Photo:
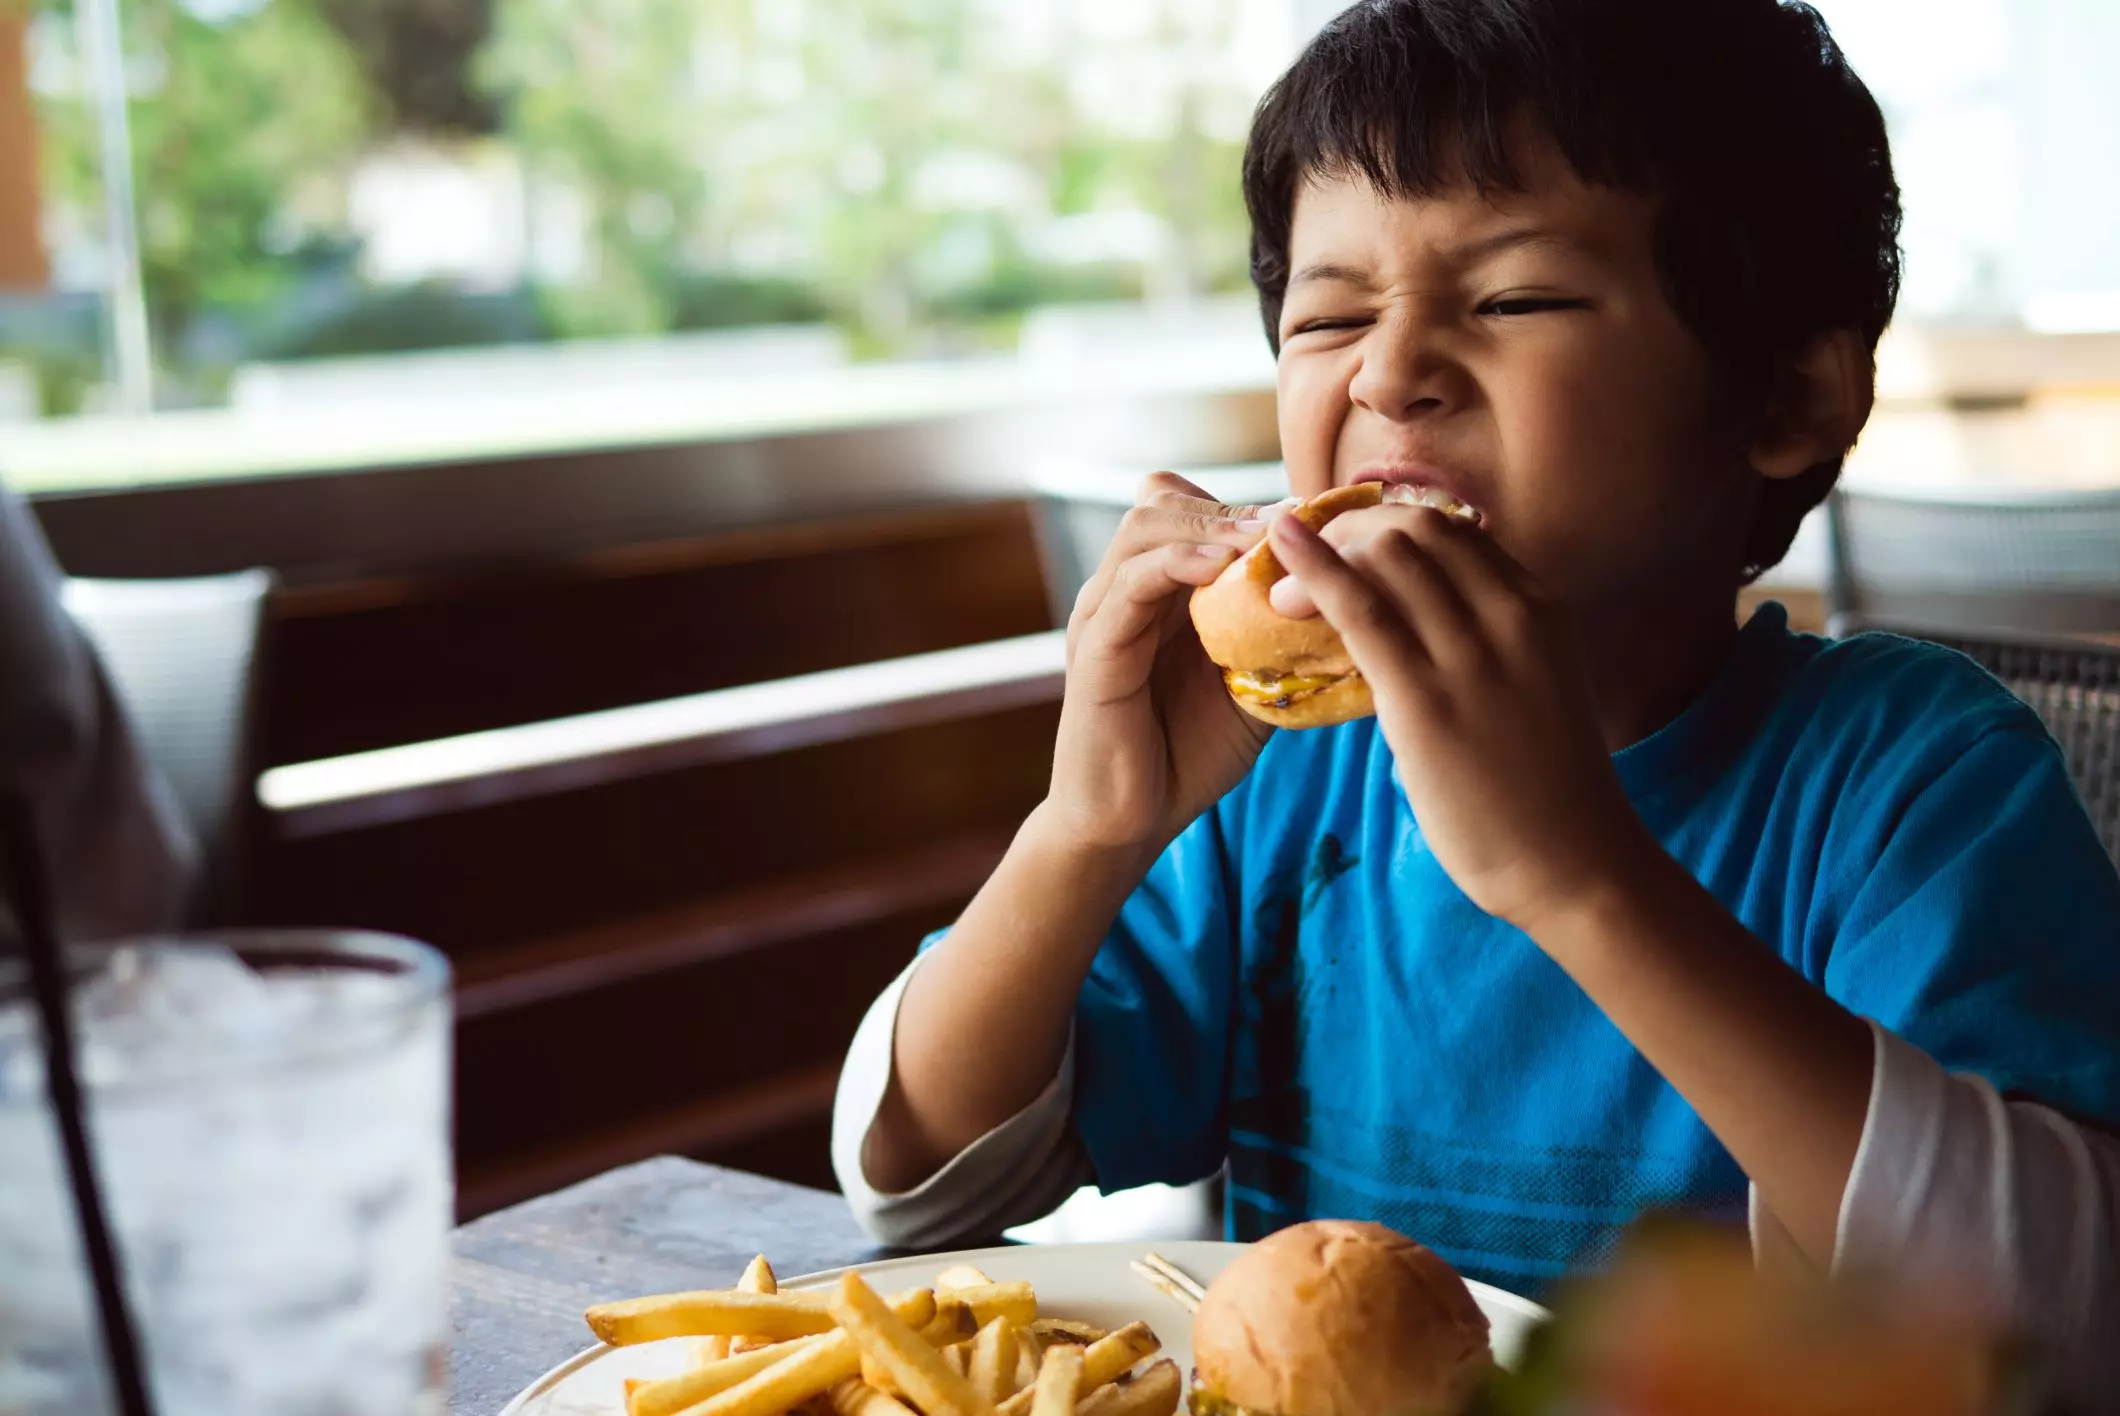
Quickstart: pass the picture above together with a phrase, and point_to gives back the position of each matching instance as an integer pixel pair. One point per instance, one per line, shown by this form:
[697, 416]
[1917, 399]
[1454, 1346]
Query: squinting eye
[1530, 305]
[1320, 326]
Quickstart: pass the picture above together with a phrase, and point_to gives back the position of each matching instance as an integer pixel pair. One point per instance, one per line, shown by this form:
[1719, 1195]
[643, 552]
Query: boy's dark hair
[1777, 213]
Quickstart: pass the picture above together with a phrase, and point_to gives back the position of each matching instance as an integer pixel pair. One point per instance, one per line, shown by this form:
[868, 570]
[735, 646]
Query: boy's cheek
[1311, 409]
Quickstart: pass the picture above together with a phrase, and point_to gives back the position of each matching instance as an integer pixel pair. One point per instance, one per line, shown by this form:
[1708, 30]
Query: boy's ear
[1823, 400]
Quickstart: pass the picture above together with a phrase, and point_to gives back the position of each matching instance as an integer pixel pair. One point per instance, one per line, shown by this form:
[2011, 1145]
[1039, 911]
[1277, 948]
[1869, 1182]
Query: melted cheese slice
[1270, 689]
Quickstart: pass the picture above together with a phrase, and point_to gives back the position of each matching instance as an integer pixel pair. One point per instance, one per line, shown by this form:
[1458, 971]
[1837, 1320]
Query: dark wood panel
[478, 880]
[566, 1074]
[379, 663]
[780, 1128]
[784, 911]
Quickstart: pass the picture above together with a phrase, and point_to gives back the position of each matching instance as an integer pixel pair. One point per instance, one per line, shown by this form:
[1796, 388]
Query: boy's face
[1518, 352]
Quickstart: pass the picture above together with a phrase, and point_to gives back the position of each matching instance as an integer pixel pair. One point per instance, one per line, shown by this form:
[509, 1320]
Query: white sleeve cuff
[2009, 1199]
[1017, 1172]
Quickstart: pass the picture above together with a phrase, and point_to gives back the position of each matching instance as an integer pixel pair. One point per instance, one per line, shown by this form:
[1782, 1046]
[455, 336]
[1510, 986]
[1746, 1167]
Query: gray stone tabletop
[520, 1278]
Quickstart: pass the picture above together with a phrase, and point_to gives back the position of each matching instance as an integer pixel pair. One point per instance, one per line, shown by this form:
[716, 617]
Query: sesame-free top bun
[1336, 1318]
[1258, 648]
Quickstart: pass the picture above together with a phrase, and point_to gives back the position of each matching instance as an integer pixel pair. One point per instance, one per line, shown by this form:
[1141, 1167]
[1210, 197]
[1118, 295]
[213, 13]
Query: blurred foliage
[416, 56]
[243, 128]
[895, 166]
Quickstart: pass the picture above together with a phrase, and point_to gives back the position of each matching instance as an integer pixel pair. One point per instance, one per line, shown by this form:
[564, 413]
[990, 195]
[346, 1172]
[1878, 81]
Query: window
[675, 188]
[844, 179]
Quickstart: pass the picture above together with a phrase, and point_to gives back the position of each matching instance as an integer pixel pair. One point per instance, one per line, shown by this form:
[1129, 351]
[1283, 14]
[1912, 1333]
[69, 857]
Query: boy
[1590, 916]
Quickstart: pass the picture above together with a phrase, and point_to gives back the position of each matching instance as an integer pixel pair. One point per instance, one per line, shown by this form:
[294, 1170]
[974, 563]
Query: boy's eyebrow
[1512, 239]
[1471, 253]
[1334, 272]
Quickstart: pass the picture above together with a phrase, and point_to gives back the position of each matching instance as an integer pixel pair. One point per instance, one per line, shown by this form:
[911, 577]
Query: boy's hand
[1481, 693]
[1149, 738]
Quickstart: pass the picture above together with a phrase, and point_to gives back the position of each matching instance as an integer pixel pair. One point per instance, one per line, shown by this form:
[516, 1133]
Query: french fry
[959, 1357]
[1105, 1360]
[1017, 1302]
[918, 1369]
[954, 1321]
[807, 1370]
[1049, 1330]
[855, 1397]
[873, 1373]
[1028, 1356]
[962, 1276]
[1059, 1379]
[992, 1369]
[777, 1317]
[1154, 1392]
[758, 1278]
[681, 1393]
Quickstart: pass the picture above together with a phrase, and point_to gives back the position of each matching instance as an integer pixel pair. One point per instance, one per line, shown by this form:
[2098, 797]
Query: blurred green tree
[902, 154]
[245, 118]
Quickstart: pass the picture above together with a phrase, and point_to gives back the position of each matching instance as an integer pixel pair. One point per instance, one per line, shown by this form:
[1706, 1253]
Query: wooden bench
[666, 910]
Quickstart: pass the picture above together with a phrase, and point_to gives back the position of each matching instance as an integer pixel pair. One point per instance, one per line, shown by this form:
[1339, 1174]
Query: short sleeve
[1987, 930]
[1152, 1026]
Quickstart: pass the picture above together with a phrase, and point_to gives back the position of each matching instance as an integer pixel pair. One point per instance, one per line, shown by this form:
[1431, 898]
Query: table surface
[521, 1277]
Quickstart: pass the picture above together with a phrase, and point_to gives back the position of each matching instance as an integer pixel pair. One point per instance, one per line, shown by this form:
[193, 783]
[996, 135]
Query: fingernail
[1220, 552]
[1252, 525]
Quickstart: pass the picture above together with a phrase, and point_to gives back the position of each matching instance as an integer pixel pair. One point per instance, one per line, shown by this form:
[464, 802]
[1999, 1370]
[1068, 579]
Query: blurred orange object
[1689, 1328]
[23, 265]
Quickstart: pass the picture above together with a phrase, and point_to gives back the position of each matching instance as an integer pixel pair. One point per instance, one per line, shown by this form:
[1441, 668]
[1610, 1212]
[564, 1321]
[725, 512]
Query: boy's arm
[1148, 740]
[1020, 1171]
[984, 1020]
[1481, 695]
[1776, 1069]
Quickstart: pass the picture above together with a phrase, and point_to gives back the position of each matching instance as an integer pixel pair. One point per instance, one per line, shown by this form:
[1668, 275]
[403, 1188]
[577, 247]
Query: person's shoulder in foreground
[121, 859]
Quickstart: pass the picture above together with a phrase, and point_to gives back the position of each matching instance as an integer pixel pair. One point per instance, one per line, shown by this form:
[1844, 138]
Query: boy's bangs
[1430, 118]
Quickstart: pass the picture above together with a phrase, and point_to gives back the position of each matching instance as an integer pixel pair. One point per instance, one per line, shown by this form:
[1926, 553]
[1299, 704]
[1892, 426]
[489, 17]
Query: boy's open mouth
[1417, 487]
[1418, 494]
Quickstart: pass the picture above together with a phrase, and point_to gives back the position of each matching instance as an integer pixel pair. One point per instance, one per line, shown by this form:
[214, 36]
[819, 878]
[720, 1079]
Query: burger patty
[1280, 690]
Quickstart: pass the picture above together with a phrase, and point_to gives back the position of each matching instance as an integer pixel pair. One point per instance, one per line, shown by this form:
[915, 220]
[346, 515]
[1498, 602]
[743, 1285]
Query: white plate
[1088, 1282]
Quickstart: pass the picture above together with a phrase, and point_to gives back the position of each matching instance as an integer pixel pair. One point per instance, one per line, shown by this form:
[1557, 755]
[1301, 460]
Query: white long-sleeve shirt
[1949, 1178]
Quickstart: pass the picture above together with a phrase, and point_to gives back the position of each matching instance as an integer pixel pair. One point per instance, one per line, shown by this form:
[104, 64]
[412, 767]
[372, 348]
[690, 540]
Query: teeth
[1434, 498]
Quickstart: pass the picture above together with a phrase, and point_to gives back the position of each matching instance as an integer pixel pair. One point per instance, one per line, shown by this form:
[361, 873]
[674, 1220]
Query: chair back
[182, 655]
[2040, 563]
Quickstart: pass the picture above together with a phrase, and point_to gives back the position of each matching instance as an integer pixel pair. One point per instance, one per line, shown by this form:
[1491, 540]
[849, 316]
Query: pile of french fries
[965, 1347]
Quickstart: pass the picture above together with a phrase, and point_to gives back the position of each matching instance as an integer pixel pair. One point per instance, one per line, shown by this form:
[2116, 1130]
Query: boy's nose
[1407, 372]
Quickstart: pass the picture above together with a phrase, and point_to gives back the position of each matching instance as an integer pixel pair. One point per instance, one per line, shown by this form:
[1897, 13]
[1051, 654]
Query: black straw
[24, 873]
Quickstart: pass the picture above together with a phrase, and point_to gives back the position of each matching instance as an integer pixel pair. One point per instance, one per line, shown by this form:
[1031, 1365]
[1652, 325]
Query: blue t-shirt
[1299, 990]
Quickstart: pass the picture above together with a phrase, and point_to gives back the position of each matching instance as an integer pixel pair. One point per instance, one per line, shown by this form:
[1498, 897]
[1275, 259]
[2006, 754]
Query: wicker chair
[2074, 685]
[2041, 563]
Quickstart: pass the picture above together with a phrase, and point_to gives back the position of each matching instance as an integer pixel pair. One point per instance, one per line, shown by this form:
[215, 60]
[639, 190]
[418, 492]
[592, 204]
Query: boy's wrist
[1638, 881]
[1050, 838]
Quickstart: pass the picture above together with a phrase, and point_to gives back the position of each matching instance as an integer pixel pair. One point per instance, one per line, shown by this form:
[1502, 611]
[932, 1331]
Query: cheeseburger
[1335, 1318]
[1293, 673]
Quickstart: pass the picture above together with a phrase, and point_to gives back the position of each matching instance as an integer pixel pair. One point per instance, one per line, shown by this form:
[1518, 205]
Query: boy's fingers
[1376, 634]
[1144, 529]
[1290, 597]
[1140, 589]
